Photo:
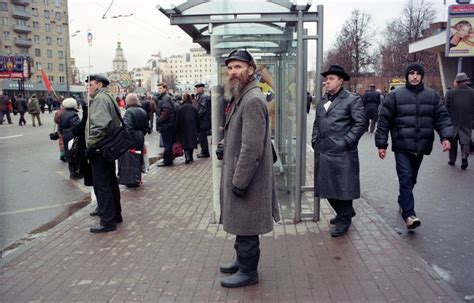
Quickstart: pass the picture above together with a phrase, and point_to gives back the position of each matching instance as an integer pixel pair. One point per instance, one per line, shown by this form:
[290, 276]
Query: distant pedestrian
[248, 196]
[309, 100]
[371, 100]
[103, 119]
[166, 123]
[187, 127]
[49, 102]
[411, 113]
[68, 120]
[22, 106]
[135, 120]
[148, 106]
[4, 111]
[204, 110]
[460, 105]
[34, 110]
[42, 103]
[338, 126]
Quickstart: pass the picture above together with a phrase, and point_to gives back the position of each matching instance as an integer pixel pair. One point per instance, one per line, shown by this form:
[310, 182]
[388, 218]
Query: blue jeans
[407, 170]
[167, 136]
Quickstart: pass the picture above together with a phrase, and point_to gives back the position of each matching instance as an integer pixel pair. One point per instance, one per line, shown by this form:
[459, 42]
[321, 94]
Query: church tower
[119, 62]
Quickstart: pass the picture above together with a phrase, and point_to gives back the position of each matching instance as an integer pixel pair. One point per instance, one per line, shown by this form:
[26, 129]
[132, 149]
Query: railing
[21, 15]
[22, 28]
[21, 2]
[23, 42]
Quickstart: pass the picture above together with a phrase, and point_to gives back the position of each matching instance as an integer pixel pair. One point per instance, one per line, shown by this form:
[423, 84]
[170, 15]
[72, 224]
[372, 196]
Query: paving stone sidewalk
[166, 251]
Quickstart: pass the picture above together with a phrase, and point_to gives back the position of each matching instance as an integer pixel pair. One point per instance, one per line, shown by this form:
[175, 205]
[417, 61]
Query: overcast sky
[148, 31]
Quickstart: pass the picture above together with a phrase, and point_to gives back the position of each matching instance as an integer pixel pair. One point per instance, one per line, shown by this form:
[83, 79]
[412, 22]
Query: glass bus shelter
[276, 33]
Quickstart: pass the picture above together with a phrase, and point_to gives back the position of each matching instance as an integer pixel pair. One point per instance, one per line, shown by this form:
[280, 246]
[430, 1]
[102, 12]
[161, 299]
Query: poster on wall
[15, 67]
[460, 31]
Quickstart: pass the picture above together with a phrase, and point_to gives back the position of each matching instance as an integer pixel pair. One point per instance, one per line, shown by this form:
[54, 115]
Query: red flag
[46, 82]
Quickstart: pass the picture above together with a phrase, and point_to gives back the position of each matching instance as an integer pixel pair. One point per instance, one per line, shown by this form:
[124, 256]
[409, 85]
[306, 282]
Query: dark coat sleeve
[359, 124]
[442, 121]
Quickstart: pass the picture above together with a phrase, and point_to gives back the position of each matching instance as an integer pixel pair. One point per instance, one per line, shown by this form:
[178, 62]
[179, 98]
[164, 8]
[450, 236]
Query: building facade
[38, 29]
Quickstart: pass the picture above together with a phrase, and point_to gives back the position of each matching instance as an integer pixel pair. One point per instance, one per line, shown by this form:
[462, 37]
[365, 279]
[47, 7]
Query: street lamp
[68, 45]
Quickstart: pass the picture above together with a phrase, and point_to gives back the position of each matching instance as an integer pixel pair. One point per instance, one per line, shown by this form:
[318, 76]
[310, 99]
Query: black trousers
[453, 152]
[247, 249]
[344, 211]
[22, 120]
[107, 190]
[203, 142]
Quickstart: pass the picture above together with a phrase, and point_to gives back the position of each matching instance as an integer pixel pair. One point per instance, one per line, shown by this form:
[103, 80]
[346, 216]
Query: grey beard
[235, 87]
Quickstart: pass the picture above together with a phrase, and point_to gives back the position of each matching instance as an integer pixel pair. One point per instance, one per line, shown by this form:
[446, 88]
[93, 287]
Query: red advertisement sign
[15, 67]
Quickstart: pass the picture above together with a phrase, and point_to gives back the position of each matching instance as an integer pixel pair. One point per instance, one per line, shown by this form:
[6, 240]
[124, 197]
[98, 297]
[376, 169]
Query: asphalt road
[444, 198]
[34, 185]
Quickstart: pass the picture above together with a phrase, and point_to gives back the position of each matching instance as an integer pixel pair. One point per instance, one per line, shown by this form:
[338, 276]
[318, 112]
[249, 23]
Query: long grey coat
[460, 106]
[336, 134]
[248, 164]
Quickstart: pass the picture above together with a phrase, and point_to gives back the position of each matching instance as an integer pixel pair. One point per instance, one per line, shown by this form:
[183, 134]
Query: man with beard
[411, 113]
[338, 126]
[247, 184]
[103, 119]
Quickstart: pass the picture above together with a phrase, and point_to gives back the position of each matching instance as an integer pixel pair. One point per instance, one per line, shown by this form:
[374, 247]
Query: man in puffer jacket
[411, 114]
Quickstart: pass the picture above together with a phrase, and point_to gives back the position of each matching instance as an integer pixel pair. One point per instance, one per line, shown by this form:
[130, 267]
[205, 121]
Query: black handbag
[54, 135]
[116, 142]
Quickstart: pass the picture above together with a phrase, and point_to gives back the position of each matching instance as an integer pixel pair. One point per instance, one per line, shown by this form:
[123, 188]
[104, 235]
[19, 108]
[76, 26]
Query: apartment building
[40, 30]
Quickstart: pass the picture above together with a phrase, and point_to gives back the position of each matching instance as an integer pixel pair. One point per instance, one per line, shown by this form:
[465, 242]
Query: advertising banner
[15, 67]
[460, 31]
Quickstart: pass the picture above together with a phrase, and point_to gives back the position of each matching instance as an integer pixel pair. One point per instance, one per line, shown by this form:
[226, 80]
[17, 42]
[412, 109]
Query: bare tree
[352, 47]
[417, 15]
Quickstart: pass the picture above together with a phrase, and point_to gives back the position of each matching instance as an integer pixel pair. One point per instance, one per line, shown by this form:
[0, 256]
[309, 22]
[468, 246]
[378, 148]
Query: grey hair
[131, 99]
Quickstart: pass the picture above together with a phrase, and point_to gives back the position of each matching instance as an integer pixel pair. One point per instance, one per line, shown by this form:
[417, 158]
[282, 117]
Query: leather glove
[239, 192]
[220, 151]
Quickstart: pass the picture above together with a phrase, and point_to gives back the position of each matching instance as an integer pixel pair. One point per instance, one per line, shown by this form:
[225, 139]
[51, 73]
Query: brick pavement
[166, 251]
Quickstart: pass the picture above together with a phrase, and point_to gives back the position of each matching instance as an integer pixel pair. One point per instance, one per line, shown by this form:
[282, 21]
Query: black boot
[187, 156]
[230, 268]
[240, 279]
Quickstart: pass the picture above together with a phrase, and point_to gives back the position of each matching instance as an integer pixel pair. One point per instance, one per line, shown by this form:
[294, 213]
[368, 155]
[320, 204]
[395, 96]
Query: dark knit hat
[415, 67]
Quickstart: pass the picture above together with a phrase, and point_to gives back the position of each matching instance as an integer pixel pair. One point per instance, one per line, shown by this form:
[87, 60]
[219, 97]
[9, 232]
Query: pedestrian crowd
[409, 114]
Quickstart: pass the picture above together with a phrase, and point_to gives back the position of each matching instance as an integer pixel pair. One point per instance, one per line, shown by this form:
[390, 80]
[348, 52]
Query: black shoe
[203, 155]
[451, 163]
[118, 219]
[230, 268]
[102, 229]
[464, 163]
[94, 213]
[164, 164]
[187, 162]
[240, 279]
[339, 230]
[333, 220]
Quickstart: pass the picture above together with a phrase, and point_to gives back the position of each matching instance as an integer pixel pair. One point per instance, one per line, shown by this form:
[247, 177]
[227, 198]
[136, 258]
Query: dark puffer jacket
[411, 114]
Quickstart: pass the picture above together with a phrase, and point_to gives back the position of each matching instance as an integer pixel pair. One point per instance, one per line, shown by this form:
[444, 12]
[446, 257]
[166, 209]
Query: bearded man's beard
[235, 85]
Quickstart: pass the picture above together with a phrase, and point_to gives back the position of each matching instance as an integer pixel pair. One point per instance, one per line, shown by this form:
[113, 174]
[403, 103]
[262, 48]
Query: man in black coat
[204, 110]
[411, 113]
[460, 105]
[371, 100]
[165, 123]
[339, 124]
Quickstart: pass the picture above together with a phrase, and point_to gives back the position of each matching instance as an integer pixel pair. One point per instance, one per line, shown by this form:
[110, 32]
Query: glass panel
[229, 6]
[275, 54]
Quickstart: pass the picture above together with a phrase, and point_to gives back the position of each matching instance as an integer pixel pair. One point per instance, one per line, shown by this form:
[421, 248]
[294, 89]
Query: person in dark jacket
[21, 106]
[82, 166]
[204, 110]
[460, 106]
[166, 123]
[135, 120]
[67, 121]
[339, 124]
[187, 127]
[411, 113]
[371, 100]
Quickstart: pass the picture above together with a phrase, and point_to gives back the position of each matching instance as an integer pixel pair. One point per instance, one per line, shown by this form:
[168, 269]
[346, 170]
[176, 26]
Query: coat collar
[342, 95]
[251, 85]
